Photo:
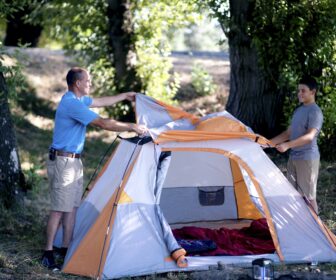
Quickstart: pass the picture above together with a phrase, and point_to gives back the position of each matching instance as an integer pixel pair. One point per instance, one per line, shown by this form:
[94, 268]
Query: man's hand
[282, 147]
[130, 96]
[139, 129]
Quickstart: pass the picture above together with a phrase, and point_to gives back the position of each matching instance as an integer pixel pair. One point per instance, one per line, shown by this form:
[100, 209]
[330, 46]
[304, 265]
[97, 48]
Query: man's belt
[66, 154]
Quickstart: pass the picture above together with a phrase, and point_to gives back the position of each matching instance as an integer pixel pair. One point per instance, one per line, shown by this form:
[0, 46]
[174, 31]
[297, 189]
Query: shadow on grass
[26, 98]
[186, 92]
[31, 139]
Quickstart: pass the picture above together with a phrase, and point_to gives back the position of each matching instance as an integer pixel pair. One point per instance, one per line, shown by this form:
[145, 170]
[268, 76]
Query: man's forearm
[107, 100]
[282, 137]
[113, 125]
[303, 140]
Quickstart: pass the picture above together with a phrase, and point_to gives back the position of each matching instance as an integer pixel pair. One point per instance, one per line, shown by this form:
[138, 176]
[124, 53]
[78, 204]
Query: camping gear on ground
[263, 269]
[209, 172]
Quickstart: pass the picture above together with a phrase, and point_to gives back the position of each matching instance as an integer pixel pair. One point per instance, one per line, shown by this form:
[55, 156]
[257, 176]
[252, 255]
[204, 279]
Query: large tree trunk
[122, 46]
[11, 176]
[254, 98]
[18, 31]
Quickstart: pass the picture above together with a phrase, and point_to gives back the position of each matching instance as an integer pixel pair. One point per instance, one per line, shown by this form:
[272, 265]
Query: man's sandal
[179, 257]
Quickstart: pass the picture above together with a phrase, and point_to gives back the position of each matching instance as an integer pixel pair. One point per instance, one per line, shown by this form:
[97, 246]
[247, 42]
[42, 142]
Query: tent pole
[99, 164]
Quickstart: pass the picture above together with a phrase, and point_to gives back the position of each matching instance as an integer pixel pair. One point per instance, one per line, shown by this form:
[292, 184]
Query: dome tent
[190, 170]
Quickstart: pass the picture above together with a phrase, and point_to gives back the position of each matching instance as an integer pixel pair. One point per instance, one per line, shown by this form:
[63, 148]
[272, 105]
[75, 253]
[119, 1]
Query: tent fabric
[187, 136]
[181, 126]
[288, 212]
[221, 124]
[124, 224]
[246, 194]
[100, 233]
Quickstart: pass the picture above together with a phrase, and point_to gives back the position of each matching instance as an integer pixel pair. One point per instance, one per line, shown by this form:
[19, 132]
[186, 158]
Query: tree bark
[18, 31]
[254, 97]
[121, 42]
[11, 176]
[122, 47]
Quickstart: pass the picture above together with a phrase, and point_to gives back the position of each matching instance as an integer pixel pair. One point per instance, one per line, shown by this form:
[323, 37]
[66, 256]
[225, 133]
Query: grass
[22, 228]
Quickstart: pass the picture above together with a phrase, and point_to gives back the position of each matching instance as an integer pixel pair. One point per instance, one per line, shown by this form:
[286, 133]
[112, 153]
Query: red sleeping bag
[253, 240]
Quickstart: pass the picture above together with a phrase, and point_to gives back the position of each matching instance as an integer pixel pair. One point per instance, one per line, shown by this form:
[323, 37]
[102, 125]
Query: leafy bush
[12, 68]
[202, 81]
[33, 179]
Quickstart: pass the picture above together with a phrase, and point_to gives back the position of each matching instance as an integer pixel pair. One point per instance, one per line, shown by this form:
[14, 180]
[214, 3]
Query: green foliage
[327, 101]
[33, 179]
[151, 19]
[7, 8]
[294, 38]
[11, 66]
[202, 81]
[83, 26]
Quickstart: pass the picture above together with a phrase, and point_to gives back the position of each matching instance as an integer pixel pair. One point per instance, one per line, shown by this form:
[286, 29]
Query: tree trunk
[120, 40]
[11, 176]
[122, 47]
[18, 31]
[254, 98]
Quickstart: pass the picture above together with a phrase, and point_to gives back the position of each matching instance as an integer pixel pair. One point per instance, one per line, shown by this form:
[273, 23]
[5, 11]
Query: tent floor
[230, 224]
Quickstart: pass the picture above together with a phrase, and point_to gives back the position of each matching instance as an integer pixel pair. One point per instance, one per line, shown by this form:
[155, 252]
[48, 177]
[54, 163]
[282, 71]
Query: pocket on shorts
[64, 171]
[61, 163]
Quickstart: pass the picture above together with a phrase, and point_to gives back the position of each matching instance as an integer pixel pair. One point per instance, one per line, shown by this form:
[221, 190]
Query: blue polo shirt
[72, 117]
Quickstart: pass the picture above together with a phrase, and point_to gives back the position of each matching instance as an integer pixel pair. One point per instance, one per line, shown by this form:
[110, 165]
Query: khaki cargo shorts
[65, 177]
[303, 174]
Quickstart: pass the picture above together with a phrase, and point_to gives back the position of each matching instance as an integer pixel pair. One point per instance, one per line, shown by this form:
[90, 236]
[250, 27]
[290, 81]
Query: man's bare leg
[53, 223]
[69, 219]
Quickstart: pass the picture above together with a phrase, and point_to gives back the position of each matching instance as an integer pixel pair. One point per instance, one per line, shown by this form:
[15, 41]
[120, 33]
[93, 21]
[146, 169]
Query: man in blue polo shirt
[65, 169]
[301, 139]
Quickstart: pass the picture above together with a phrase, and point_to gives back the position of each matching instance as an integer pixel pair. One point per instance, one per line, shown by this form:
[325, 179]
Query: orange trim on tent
[255, 182]
[221, 124]
[246, 208]
[177, 113]
[90, 257]
[85, 260]
[191, 135]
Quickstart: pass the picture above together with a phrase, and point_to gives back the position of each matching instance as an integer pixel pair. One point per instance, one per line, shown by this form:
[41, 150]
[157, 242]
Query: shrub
[202, 81]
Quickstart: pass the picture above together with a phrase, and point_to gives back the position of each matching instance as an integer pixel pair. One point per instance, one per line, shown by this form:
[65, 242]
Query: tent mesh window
[210, 196]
